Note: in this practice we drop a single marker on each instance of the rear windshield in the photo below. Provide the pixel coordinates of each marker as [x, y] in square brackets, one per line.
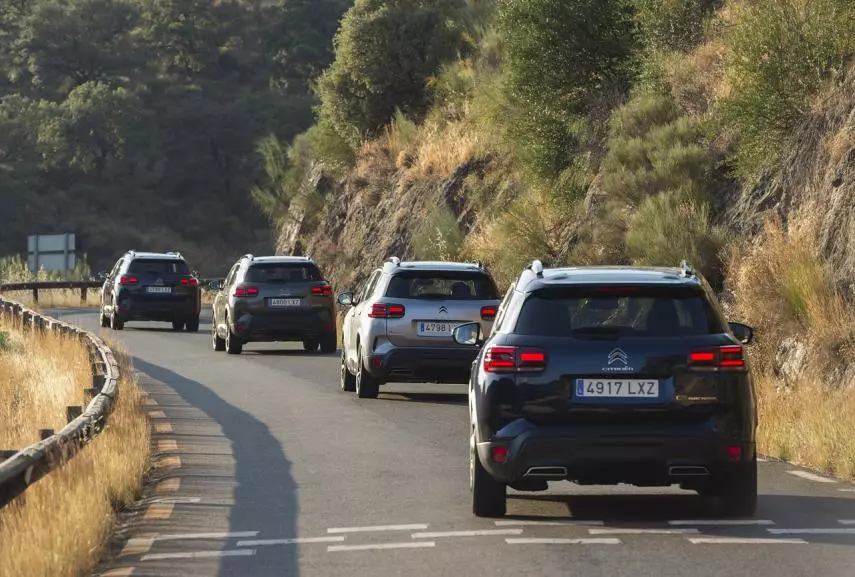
[612, 313]
[444, 285]
[159, 267]
[283, 273]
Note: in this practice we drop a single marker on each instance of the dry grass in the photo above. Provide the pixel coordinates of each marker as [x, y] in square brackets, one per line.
[807, 408]
[444, 147]
[58, 299]
[59, 529]
[698, 80]
[840, 143]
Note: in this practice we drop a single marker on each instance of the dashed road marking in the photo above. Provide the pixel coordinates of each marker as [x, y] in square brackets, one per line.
[149, 402]
[557, 522]
[381, 546]
[137, 546]
[631, 531]
[476, 533]
[562, 541]
[214, 535]
[846, 521]
[162, 428]
[722, 522]
[199, 554]
[847, 490]
[156, 415]
[812, 476]
[119, 572]
[158, 512]
[294, 541]
[378, 528]
[814, 531]
[169, 463]
[168, 485]
[167, 446]
[744, 541]
[177, 500]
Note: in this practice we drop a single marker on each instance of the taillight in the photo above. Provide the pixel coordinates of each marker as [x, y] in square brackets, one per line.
[513, 360]
[488, 313]
[124, 279]
[386, 311]
[325, 290]
[249, 291]
[190, 282]
[726, 358]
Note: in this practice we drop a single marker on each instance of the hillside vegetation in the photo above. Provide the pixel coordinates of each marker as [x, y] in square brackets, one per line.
[134, 123]
[604, 131]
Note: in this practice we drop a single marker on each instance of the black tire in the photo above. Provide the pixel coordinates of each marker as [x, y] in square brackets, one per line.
[116, 322]
[217, 343]
[489, 497]
[329, 343]
[347, 380]
[192, 325]
[177, 325]
[367, 387]
[310, 346]
[105, 322]
[738, 491]
[233, 346]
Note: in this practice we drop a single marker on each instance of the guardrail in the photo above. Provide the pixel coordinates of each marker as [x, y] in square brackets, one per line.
[83, 285]
[22, 468]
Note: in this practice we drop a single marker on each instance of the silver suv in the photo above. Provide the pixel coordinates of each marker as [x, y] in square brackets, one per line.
[398, 326]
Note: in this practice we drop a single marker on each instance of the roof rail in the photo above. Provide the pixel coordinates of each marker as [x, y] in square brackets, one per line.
[173, 252]
[479, 264]
[686, 269]
[248, 255]
[394, 260]
[536, 267]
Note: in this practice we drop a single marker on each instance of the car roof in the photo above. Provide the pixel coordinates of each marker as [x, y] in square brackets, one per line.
[563, 276]
[431, 265]
[155, 255]
[280, 259]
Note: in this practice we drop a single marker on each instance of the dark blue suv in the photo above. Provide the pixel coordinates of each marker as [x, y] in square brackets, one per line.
[607, 375]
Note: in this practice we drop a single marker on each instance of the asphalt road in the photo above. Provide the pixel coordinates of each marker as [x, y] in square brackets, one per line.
[267, 469]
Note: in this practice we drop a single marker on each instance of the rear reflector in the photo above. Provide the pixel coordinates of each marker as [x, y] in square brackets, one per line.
[325, 290]
[124, 279]
[386, 311]
[249, 291]
[488, 313]
[376, 361]
[499, 454]
[735, 453]
[513, 360]
[726, 358]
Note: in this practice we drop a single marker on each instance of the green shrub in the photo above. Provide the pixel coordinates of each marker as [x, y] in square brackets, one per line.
[386, 50]
[781, 54]
[672, 24]
[438, 237]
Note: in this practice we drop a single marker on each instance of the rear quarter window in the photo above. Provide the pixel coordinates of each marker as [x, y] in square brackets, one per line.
[442, 285]
[283, 273]
[641, 312]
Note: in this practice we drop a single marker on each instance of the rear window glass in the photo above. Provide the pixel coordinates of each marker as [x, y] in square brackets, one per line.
[445, 285]
[635, 313]
[160, 267]
[283, 273]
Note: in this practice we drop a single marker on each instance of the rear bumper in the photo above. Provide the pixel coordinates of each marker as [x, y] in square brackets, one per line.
[148, 309]
[284, 327]
[594, 455]
[423, 364]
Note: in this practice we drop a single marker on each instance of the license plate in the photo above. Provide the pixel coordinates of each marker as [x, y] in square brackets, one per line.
[435, 328]
[159, 289]
[617, 388]
[284, 302]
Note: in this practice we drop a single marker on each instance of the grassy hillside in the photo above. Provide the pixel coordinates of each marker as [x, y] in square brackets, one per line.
[604, 131]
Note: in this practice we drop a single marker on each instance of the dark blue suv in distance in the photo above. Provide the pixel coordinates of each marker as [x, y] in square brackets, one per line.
[608, 375]
[149, 286]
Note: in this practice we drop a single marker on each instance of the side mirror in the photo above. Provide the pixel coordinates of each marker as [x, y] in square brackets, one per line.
[216, 285]
[742, 332]
[468, 334]
[345, 299]
[102, 275]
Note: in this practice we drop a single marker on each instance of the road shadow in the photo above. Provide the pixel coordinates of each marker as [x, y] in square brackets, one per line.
[432, 398]
[258, 458]
[289, 353]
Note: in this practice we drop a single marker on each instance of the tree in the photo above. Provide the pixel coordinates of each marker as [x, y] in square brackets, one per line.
[385, 52]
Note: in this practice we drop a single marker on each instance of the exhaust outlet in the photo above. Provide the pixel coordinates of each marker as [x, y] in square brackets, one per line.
[541, 472]
[687, 470]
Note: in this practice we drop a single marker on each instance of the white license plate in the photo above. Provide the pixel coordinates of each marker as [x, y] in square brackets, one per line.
[159, 289]
[435, 328]
[617, 388]
[284, 302]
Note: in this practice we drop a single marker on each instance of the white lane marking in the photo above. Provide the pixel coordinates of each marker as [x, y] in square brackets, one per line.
[295, 541]
[846, 521]
[478, 533]
[511, 522]
[177, 500]
[761, 460]
[812, 477]
[814, 531]
[377, 528]
[199, 554]
[560, 541]
[380, 546]
[847, 490]
[189, 536]
[722, 522]
[744, 541]
[629, 531]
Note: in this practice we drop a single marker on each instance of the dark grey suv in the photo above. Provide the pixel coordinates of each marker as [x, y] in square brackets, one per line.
[273, 298]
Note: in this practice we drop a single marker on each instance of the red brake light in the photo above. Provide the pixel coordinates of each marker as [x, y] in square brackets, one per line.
[325, 290]
[728, 357]
[386, 311]
[499, 454]
[190, 281]
[125, 279]
[512, 360]
[250, 291]
[488, 313]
